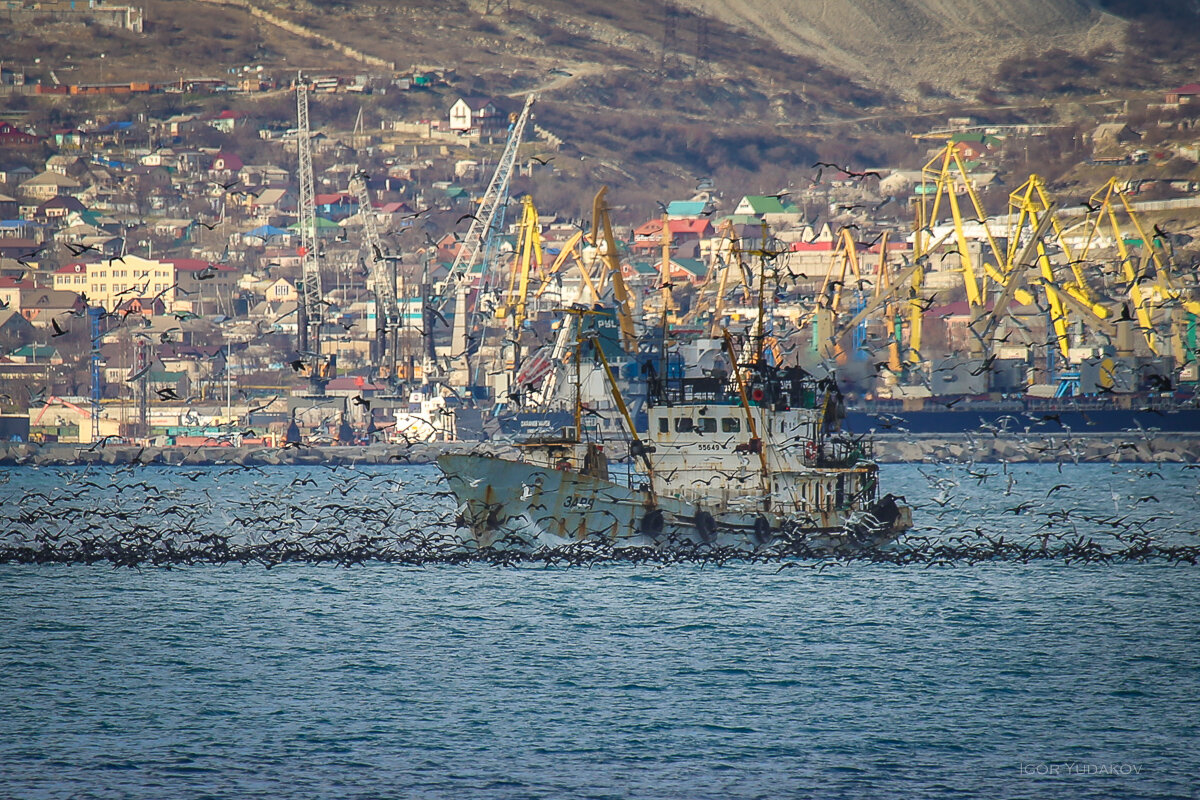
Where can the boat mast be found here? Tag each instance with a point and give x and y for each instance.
(638, 448)
(756, 443)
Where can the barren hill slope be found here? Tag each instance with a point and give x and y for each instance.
(951, 44)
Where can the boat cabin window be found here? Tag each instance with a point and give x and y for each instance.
(731, 425)
(663, 425)
(683, 425)
(706, 425)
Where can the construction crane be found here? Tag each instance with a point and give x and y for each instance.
(312, 300)
(387, 316)
(483, 224)
(602, 238)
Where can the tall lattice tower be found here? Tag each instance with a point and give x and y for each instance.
(700, 67)
(670, 13)
(311, 296)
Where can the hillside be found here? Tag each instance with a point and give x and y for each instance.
(747, 92)
(955, 47)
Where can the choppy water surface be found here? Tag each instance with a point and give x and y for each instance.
(1052, 678)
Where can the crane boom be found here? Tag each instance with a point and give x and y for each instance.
(311, 296)
(493, 200)
(385, 288)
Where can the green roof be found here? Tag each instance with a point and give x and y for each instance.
(322, 223)
(35, 351)
(692, 265)
(643, 267)
(977, 138)
(765, 205)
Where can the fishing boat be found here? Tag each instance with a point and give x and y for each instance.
(745, 459)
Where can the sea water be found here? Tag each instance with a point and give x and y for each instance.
(1000, 679)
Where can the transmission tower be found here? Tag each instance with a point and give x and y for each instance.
(700, 65)
(309, 328)
(670, 13)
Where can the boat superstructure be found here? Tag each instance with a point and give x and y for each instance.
(745, 459)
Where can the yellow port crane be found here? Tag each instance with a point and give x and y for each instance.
(1030, 205)
(528, 255)
(948, 176)
(1134, 272)
(602, 237)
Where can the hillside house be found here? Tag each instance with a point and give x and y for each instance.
(39, 306)
(335, 205)
(71, 166)
(15, 330)
(685, 209)
(226, 163)
(648, 236)
(204, 287)
(15, 175)
(1184, 95)
(36, 354)
(1111, 134)
(15, 247)
(225, 121)
(10, 291)
(57, 209)
(12, 136)
(273, 201)
(47, 185)
(477, 115)
(253, 175)
(146, 307)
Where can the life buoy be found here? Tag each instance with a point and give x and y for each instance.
(706, 526)
(762, 530)
(810, 451)
(652, 522)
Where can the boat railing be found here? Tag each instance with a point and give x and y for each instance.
(844, 452)
(782, 390)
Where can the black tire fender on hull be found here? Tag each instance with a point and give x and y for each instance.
(762, 531)
(652, 523)
(706, 526)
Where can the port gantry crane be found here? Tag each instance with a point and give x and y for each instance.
(387, 315)
(1134, 272)
(942, 176)
(484, 225)
(311, 311)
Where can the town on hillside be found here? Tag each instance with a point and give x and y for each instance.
(153, 273)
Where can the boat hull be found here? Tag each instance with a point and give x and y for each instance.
(507, 503)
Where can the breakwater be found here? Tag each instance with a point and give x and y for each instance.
(1135, 447)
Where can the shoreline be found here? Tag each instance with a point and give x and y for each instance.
(1128, 446)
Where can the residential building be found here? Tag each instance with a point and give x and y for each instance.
(477, 115)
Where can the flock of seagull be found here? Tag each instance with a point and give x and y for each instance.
(133, 516)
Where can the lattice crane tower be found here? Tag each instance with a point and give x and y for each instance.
(311, 296)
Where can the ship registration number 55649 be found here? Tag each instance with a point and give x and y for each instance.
(578, 502)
